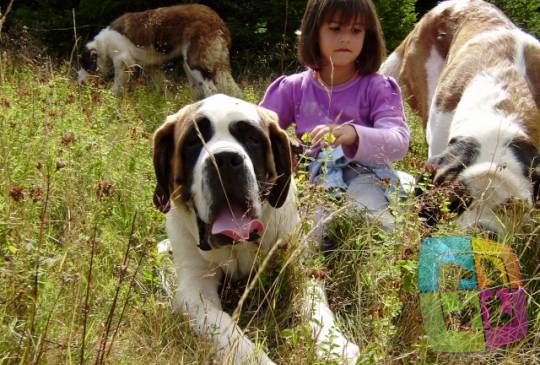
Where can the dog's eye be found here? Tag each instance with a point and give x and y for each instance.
(253, 140)
(199, 134)
(193, 141)
(202, 130)
(247, 134)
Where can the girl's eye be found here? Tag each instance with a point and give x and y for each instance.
(357, 30)
(334, 28)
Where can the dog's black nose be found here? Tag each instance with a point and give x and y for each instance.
(229, 160)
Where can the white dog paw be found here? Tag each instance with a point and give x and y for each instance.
(252, 359)
(164, 246)
(351, 353)
(260, 358)
(266, 361)
(338, 348)
(244, 352)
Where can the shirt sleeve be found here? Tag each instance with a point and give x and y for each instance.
(279, 98)
(388, 139)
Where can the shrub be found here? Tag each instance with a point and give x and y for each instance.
(263, 31)
(397, 19)
(525, 13)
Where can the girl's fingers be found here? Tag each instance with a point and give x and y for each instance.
(340, 136)
(319, 129)
(318, 134)
(345, 134)
(341, 130)
(318, 138)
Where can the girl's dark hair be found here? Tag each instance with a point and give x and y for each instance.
(320, 11)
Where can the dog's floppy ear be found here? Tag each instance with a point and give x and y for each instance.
(163, 151)
(535, 177)
(529, 156)
(282, 158)
(460, 153)
(297, 152)
(432, 197)
(89, 60)
(167, 165)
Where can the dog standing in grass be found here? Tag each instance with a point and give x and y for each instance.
(152, 37)
(474, 79)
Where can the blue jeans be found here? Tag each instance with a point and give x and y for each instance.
(369, 188)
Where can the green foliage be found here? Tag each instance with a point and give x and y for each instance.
(77, 173)
(397, 19)
(263, 32)
(525, 13)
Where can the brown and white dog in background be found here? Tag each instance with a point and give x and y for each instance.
(224, 178)
(152, 37)
(474, 79)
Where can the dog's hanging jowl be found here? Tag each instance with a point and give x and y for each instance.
(471, 294)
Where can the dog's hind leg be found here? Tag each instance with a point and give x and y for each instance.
(206, 63)
(331, 343)
(198, 77)
(216, 55)
(122, 66)
(226, 84)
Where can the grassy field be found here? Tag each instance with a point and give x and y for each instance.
(81, 281)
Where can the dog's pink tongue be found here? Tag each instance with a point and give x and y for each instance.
(236, 224)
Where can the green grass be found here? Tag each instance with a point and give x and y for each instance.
(78, 233)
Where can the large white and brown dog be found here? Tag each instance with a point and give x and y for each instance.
(223, 169)
(152, 37)
(474, 79)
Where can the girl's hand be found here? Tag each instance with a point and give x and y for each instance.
(344, 134)
(318, 133)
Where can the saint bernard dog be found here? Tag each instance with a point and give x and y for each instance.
(474, 79)
(224, 180)
(149, 38)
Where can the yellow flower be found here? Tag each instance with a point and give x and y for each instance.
(306, 137)
(330, 138)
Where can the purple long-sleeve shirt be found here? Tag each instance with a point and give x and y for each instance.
(371, 102)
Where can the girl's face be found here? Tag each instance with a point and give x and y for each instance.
(341, 43)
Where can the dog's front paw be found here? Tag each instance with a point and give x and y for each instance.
(337, 348)
(245, 352)
(258, 358)
(351, 353)
(265, 360)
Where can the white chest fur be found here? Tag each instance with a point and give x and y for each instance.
(235, 261)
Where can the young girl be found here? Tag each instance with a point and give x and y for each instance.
(342, 95)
